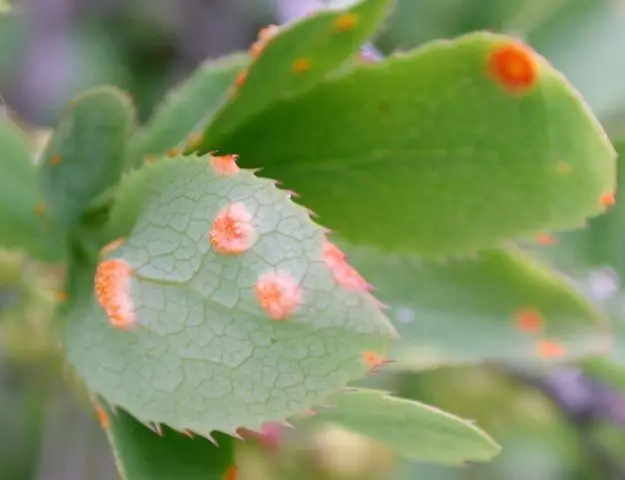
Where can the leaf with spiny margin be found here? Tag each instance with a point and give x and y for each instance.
(187, 109)
(316, 39)
(21, 225)
(86, 153)
(467, 310)
(142, 454)
(411, 429)
(437, 156)
(200, 340)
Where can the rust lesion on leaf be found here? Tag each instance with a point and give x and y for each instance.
(346, 22)
(301, 65)
(112, 290)
(232, 231)
(514, 66)
(278, 294)
(550, 349)
(528, 320)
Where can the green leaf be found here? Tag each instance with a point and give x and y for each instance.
(426, 153)
(195, 335)
(86, 154)
(411, 429)
(475, 309)
(188, 108)
(317, 40)
(142, 454)
(23, 219)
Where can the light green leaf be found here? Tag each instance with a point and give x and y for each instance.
(317, 43)
(411, 429)
(427, 153)
(142, 454)
(188, 108)
(199, 338)
(23, 220)
(480, 308)
(86, 153)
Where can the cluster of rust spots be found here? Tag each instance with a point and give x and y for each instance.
(278, 294)
(344, 274)
(514, 66)
(232, 231)
(112, 284)
(531, 321)
(103, 418)
(225, 165)
(346, 22)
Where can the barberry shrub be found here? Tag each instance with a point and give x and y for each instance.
(297, 217)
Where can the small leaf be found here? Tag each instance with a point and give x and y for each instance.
(411, 429)
(142, 454)
(24, 222)
(85, 156)
(299, 56)
(443, 150)
(184, 315)
(187, 109)
(499, 305)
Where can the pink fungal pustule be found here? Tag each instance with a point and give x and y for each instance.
(343, 272)
(232, 231)
(112, 289)
(278, 294)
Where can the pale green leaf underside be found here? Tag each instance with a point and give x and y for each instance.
(20, 225)
(466, 310)
(86, 153)
(411, 429)
(426, 153)
(316, 39)
(141, 454)
(188, 108)
(203, 355)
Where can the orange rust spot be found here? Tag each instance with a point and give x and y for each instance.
(608, 199)
(232, 231)
(550, 349)
(563, 167)
(112, 283)
(514, 66)
(55, 160)
(278, 294)
(103, 418)
(264, 36)
(225, 165)
(194, 140)
(545, 239)
(173, 152)
(40, 208)
(528, 320)
(60, 296)
(241, 78)
(301, 65)
(114, 245)
(346, 22)
(372, 359)
(231, 473)
(150, 159)
(344, 274)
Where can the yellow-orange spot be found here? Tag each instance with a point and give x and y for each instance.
(528, 320)
(40, 208)
(608, 199)
(60, 296)
(225, 165)
(150, 159)
(55, 160)
(112, 284)
(114, 245)
(173, 152)
(232, 231)
(563, 167)
(514, 66)
(545, 239)
(231, 473)
(344, 274)
(372, 359)
(103, 418)
(550, 349)
(278, 294)
(240, 79)
(346, 22)
(301, 65)
(194, 140)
